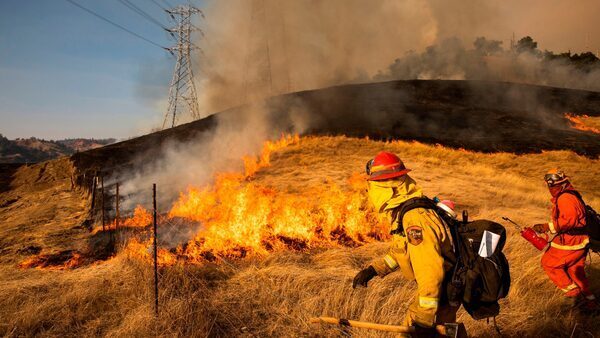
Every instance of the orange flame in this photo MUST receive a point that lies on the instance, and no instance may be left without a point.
(57, 261)
(247, 218)
(577, 122)
(240, 217)
(144, 250)
(252, 163)
(141, 218)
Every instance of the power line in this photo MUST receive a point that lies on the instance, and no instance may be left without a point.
(114, 24)
(159, 5)
(142, 13)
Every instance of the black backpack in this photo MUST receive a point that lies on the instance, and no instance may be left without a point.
(592, 221)
(476, 282)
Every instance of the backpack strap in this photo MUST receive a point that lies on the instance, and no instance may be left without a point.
(426, 203)
(413, 203)
(573, 231)
(459, 265)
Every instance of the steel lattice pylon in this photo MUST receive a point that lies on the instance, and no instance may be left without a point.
(182, 91)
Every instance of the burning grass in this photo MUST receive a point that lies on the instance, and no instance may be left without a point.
(274, 294)
(245, 216)
(584, 122)
(241, 218)
(67, 259)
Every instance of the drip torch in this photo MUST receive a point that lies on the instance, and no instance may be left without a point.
(530, 235)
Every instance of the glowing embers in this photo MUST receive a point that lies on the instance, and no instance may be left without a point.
(67, 259)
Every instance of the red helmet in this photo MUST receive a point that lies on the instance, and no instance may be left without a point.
(385, 166)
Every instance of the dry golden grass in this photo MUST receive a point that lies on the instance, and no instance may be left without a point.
(591, 122)
(42, 210)
(275, 295)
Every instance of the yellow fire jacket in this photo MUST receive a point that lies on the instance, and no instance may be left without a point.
(423, 252)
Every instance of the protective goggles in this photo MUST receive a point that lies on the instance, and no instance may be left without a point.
(369, 166)
(552, 179)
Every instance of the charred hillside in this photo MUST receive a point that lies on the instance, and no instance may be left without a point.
(474, 115)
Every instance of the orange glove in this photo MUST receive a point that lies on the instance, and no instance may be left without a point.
(541, 228)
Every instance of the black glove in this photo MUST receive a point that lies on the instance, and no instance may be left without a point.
(424, 332)
(364, 276)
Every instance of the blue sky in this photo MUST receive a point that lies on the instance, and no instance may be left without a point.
(65, 73)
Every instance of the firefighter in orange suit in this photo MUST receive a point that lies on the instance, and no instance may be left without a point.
(422, 250)
(564, 261)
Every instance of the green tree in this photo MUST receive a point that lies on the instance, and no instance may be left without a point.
(527, 44)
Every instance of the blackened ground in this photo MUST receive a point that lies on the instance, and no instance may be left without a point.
(480, 116)
(474, 115)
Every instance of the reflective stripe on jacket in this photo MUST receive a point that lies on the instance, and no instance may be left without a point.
(426, 261)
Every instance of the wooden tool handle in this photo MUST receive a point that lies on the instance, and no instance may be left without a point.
(441, 329)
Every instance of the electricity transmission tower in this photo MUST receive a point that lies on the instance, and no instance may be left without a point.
(182, 91)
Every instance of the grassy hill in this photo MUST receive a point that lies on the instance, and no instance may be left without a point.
(33, 150)
(277, 293)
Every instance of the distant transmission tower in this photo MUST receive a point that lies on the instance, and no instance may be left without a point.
(182, 92)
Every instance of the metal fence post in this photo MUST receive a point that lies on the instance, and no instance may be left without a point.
(155, 249)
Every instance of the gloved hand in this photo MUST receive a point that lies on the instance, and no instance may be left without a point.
(422, 331)
(364, 276)
(541, 228)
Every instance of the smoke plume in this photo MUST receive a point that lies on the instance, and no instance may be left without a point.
(258, 48)
(178, 165)
(253, 49)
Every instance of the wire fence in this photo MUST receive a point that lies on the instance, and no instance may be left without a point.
(164, 235)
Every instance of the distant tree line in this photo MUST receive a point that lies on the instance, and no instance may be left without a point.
(585, 61)
(523, 62)
(29, 150)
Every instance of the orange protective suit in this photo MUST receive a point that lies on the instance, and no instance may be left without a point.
(564, 261)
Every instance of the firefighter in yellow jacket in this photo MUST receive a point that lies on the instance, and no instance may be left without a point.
(422, 250)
